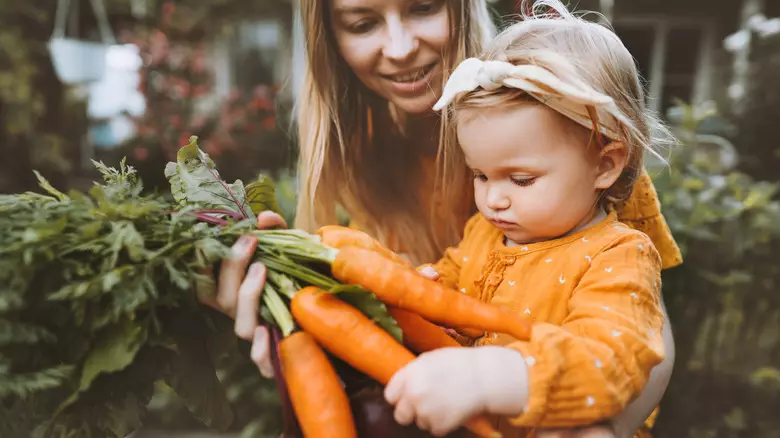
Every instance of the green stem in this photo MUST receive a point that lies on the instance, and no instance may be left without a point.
(283, 283)
(278, 310)
(298, 271)
(294, 246)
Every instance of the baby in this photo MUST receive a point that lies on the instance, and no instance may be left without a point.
(552, 123)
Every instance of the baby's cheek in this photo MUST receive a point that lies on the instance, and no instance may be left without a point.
(540, 212)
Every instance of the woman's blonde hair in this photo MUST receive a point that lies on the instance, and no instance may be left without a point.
(577, 51)
(351, 151)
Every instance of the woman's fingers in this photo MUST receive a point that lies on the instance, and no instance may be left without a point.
(269, 219)
(249, 300)
(231, 274)
(261, 352)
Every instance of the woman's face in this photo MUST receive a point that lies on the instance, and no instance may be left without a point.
(395, 47)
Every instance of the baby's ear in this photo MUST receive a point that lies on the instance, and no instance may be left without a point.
(612, 160)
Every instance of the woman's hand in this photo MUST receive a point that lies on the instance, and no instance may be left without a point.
(239, 292)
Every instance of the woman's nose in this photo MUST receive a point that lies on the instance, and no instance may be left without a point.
(401, 44)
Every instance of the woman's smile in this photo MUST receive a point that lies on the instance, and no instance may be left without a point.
(412, 80)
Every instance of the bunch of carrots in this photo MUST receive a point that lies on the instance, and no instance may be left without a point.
(323, 322)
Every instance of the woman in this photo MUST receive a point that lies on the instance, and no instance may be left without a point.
(369, 142)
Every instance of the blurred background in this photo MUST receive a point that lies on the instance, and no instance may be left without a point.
(106, 79)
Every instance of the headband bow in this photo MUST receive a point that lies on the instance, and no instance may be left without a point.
(569, 99)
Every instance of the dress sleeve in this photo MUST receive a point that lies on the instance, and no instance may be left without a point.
(590, 367)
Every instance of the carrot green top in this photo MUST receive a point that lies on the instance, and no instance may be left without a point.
(595, 296)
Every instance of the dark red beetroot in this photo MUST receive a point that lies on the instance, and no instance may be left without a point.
(374, 418)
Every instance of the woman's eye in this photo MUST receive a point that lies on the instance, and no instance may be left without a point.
(362, 26)
(480, 176)
(426, 7)
(524, 182)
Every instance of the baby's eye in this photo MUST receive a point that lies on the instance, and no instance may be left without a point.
(480, 176)
(524, 182)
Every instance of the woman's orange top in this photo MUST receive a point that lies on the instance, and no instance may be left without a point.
(595, 298)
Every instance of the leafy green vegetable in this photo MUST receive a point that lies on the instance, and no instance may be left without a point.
(261, 195)
(194, 180)
(99, 296)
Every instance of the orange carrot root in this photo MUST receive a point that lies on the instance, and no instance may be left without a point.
(405, 288)
(339, 237)
(419, 334)
(319, 401)
(347, 333)
(481, 426)
(351, 336)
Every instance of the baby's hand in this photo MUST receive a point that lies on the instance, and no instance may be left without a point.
(442, 389)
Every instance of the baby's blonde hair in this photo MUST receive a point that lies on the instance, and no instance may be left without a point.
(576, 51)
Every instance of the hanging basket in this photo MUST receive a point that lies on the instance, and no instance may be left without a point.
(77, 61)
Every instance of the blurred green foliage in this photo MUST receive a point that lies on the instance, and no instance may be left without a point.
(723, 301)
(758, 133)
(38, 118)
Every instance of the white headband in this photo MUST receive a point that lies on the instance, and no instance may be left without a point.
(570, 99)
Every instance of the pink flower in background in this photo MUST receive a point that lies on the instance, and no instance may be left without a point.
(174, 78)
(269, 122)
(167, 11)
(158, 48)
(184, 139)
(199, 61)
(180, 87)
(214, 147)
(234, 95)
(200, 91)
(198, 122)
(141, 153)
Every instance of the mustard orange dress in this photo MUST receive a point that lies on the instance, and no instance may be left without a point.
(595, 297)
(641, 212)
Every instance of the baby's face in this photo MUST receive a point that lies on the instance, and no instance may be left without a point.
(535, 177)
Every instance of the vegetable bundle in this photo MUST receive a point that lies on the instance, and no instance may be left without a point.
(97, 304)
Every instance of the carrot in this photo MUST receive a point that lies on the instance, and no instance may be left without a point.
(344, 331)
(351, 336)
(405, 288)
(419, 334)
(319, 401)
(339, 237)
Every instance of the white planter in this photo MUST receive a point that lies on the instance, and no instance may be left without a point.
(77, 61)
